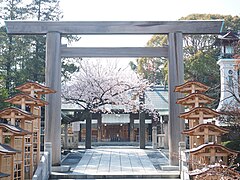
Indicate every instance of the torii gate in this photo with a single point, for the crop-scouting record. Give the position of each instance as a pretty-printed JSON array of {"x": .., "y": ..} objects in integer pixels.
[{"x": 54, "y": 52}]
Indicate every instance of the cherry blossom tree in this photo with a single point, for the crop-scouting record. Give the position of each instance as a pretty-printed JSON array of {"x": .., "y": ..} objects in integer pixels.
[{"x": 98, "y": 84}]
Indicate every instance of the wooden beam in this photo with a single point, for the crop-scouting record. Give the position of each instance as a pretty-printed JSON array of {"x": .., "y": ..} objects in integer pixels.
[
  {"x": 114, "y": 52},
  {"x": 114, "y": 27}
]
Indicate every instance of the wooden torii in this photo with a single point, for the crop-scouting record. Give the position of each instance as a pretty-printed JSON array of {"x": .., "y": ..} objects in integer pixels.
[{"x": 54, "y": 52}]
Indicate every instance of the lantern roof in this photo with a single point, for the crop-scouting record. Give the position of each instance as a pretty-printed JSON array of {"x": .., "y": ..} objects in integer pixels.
[
  {"x": 2, "y": 175},
  {"x": 191, "y": 99},
  {"x": 19, "y": 114},
  {"x": 5, "y": 149},
  {"x": 15, "y": 130},
  {"x": 194, "y": 113},
  {"x": 227, "y": 37},
  {"x": 200, "y": 128},
  {"x": 205, "y": 147},
  {"x": 36, "y": 87},
  {"x": 191, "y": 87},
  {"x": 29, "y": 100}
]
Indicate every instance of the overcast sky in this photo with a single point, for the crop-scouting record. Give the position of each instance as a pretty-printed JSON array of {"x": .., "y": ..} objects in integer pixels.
[
  {"x": 144, "y": 10},
  {"x": 138, "y": 10}
]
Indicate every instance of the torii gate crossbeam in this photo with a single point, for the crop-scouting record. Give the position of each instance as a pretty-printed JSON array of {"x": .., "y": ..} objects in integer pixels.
[{"x": 54, "y": 51}]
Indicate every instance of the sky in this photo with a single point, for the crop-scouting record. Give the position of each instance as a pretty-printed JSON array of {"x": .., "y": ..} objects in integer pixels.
[
  {"x": 137, "y": 10},
  {"x": 144, "y": 10}
]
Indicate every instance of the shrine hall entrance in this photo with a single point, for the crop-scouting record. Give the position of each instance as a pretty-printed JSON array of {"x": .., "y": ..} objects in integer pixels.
[
  {"x": 112, "y": 132},
  {"x": 115, "y": 132}
]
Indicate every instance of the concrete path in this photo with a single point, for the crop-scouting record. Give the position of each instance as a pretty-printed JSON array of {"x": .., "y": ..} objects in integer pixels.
[
  {"x": 115, "y": 161},
  {"x": 119, "y": 163}
]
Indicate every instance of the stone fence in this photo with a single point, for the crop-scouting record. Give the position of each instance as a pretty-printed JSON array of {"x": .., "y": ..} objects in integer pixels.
[
  {"x": 42, "y": 172},
  {"x": 183, "y": 161}
]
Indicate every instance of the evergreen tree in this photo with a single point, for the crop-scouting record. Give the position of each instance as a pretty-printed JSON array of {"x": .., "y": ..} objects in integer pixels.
[
  {"x": 22, "y": 58},
  {"x": 11, "y": 51},
  {"x": 200, "y": 55}
]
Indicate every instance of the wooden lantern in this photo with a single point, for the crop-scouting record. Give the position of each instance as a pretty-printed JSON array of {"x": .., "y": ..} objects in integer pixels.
[
  {"x": 27, "y": 102},
  {"x": 22, "y": 119},
  {"x": 205, "y": 138},
  {"x": 7, "y": 162}
]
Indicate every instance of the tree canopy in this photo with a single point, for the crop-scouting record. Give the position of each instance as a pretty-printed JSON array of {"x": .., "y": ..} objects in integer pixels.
[
  {"x": 22, "y": 58},
  {"x": 96, "y": 85},
  {"x": 200, "y": 56}
]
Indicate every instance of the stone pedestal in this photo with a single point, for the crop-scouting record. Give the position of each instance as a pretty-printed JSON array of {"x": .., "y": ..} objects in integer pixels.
[{"x": 229, "y": 83}]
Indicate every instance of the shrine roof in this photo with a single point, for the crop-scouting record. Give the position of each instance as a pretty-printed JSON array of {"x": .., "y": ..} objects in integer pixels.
[
  {"x": 187, "y": 87},
  {"x": 5, "y": 149},
  {"x": 14, "y": 129},
  {"x": 193, "y": 113},
  {"x": 30, "y": 100},
  {"x": 27, "y": 115},
  {"x": 207, "y": 125},
  {"x": 212, "y": 145},
  {"x": 185, "y": 100},
  {"x": 38, "y": 88}
]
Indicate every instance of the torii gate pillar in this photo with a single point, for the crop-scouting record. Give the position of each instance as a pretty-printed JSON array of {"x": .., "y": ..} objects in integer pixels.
[
  {"x": 53, "y": 80},
  {"x": 175, "y": 78}
]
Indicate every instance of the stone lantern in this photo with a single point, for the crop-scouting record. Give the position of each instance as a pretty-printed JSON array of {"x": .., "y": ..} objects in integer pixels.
[
  {"x": 227, "y": 42},
  {"x": 228, "y": 70}
]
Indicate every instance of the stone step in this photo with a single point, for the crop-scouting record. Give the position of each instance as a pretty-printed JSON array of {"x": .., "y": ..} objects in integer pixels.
[
  {"x": 120, "y": 179},
  {"x": 163, "y": 175}
]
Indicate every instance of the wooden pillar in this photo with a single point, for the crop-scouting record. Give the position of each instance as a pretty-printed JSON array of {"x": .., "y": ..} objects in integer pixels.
[
  {"x": 131, "y": 128},
  {"x": 141, "y": 122},
  {"x": 175, "y": 77},
  {"x": 99, "y": 127},
  {"x": 142, "y": 129},
  {"x": 88, "y": 140},
  {"x": 53, "y": 81},
  {"x": 65, "y": 136},
  {"x": 1, "y": 137},
  {"x": 206, "y": 135}
]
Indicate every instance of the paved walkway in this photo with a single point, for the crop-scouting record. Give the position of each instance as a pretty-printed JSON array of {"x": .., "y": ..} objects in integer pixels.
[
  {"x": 124, "y": 163},
  {"x": 115, "y": 161}
]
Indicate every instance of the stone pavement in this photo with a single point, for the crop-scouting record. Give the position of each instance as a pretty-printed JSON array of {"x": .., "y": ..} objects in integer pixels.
[
  {"x": 115, "y": 161},
  {"x": 112, "y": 163}
]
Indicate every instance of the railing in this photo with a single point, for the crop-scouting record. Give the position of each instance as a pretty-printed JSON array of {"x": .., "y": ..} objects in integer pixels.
[
  {"x": 183, "y": 161},
  {"x": 43, "y": 170}
]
